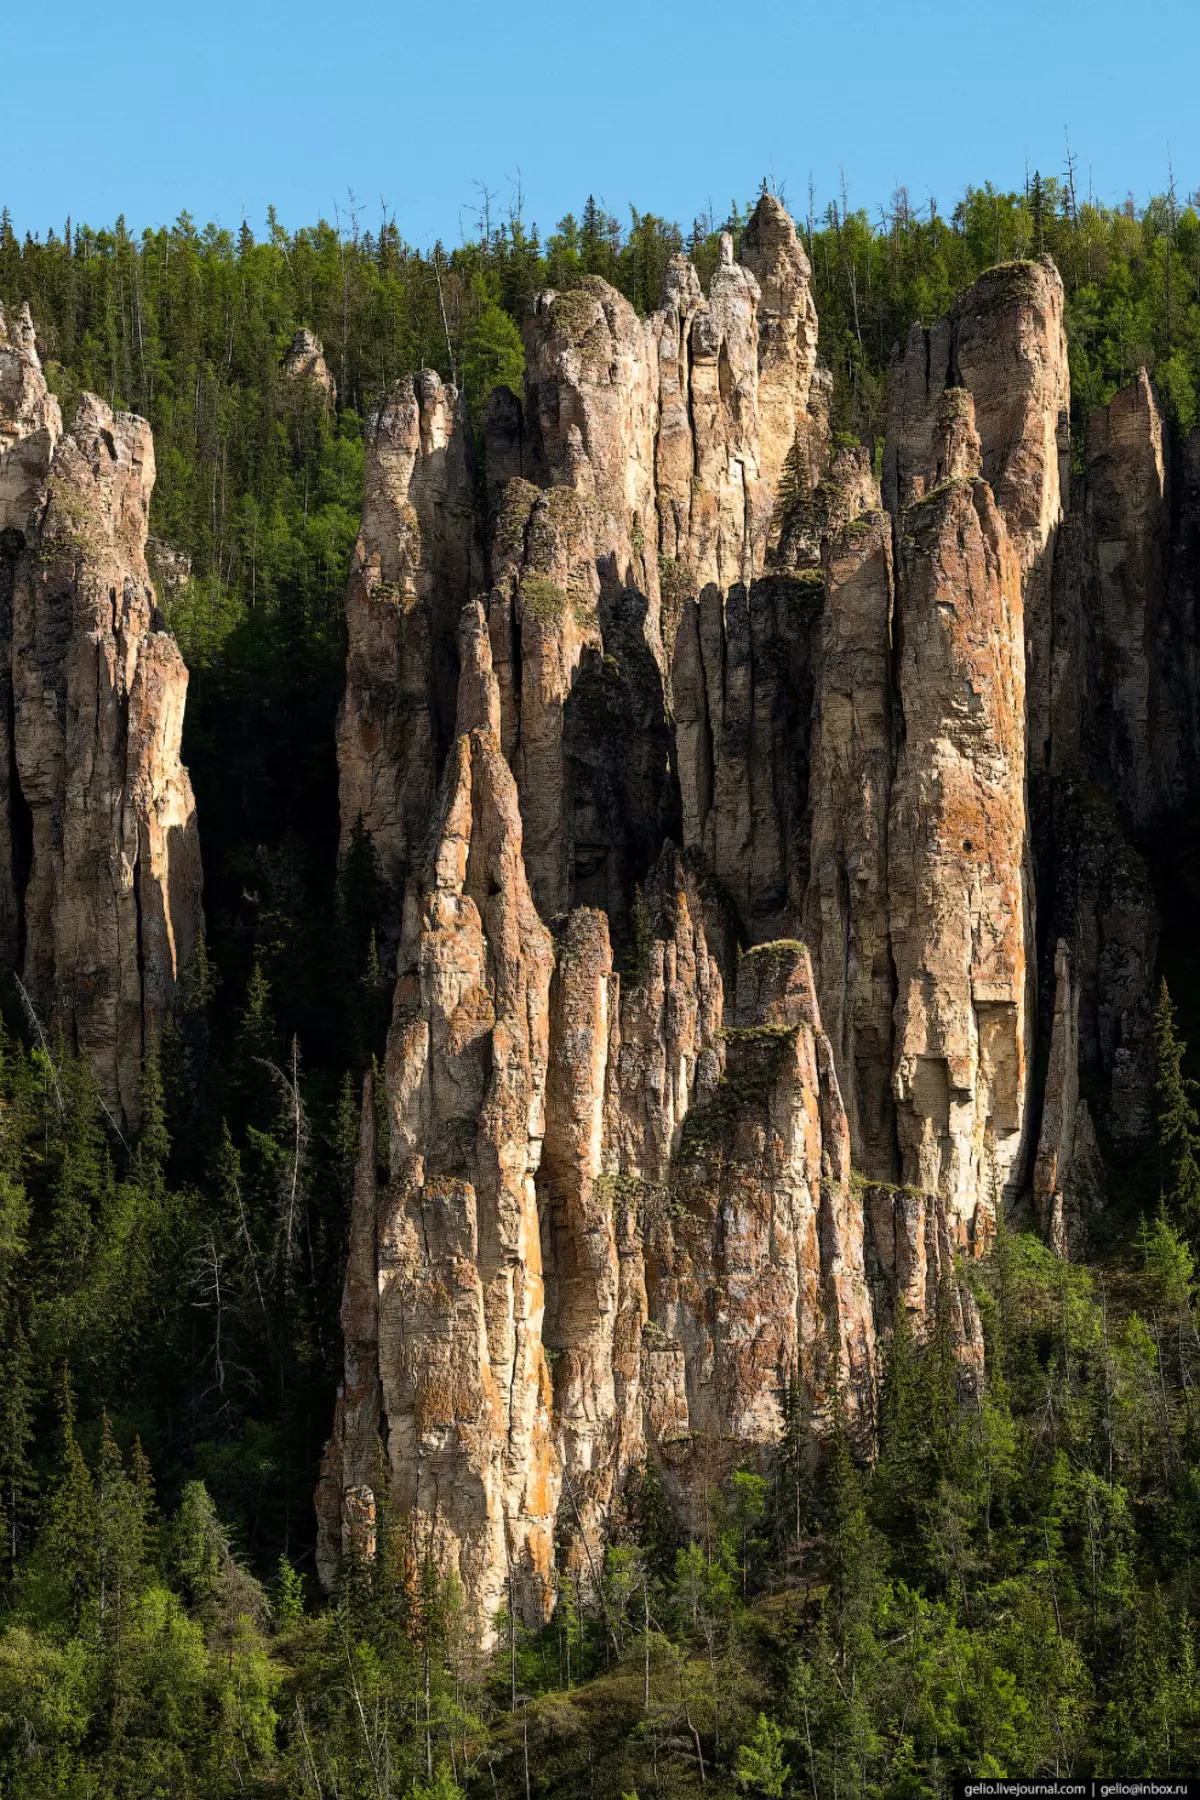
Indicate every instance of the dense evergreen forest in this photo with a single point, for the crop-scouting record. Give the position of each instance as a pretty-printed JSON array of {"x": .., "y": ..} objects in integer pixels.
[{"x": 1002, "y": 1589}]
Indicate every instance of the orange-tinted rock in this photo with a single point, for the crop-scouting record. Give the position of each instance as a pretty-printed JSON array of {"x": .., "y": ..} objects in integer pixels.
[
  {"x": 1004, "y": 341},
  {"x": 851, "y": 776},
  {"x": 415, "y": 563},
  {"x": 305, "y": 363},
  {"x": 959, "y": 880},
  {"x": 100, "y": 891}
]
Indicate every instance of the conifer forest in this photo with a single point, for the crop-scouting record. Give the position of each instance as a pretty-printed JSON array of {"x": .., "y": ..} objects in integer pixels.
[{"x": 500, "y": 1305}]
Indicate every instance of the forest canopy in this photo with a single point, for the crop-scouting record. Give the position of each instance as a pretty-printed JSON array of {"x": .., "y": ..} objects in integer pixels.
[{"x": 1007, "y": 1587}]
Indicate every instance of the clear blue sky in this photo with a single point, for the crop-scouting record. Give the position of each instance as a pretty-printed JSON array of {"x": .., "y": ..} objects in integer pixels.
[{"x": 231, "y": 104}]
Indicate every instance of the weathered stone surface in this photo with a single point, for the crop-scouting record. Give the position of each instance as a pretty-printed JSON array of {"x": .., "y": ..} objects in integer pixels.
[
  {"x": 30, "y": 426},
  {"x": 100, "y": 894},
  {"x": 597, "y": 1433},
  {"x": 730, "y": 512},
  {"x": 757, "y": 1265},
  {"x": 912, "y": 1244},
  {"x": 590, "y": 417},
  {"x": 742, "y": 681},
  {"x": 738, "y": 391},
  {"x": 959, "y": 885},
  {"x": 621, "y": 1213},
  {"x": 787, "y": 336},
  {"x": 466, "y": 1388},
  {"x": 305, "y": 363},
  {"x": 1135, "y": 749},
  {"x": 628, "y": 1059},
  {"x": 702, "y": 1235},
  {"x": 823, "y": 507},
  {"x": 543, "y": 614},
  {"x": 847, "y": 901},
  {"x": 415, "y": 563},
  {"x": 1004, "y": 341}
]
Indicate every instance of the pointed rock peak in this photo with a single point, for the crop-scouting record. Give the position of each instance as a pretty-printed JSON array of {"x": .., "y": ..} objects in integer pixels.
[
  {"x": 417, "y": 417},
  {"x": 775, "y": 986},
  {"x": 956, "y": 453},
  {"x": 305, "y": 361},
  {"x": 101, "y": 957},
  {"x": 118, "y": 452},
  {"x": 574, "y": 313},
  {"x": 478, "y": 692},
  {"x": 770, "y": 244},
  {"x": 1133, "y": 414},
  {"x": 20, "y": 337},
  {"x": 30, "y": 424},
  {"x": 681, "y": 284}
]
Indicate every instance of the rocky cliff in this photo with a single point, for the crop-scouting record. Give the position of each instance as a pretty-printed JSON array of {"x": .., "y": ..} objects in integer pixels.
[
  {"x": 99, "y": 856},
  {"x": 733, "y": 839}
]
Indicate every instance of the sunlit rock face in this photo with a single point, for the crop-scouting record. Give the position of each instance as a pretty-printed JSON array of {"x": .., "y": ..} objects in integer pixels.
[
  {"x": 711, "y": 765},
  {"x": 100, "y": 882}
]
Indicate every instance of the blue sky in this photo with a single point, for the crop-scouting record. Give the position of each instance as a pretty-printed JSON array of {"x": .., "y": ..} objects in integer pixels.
[{"x": 225, "y": 107}]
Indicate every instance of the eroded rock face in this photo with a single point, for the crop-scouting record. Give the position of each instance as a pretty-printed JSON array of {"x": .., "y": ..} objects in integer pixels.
[
  {"x": 30, "y": 426},
  {"x": 415, "y": 563},
  {"x": 847, "y": 919},
  {"x": 305, "y": 362},
  {"x": 1004, "y": 341},
  {"x": 714, "y": 1029},
  {"x": 742, "y": 680},
  {"x": 787, "y": 337},
  {"x": 959, "y": 887},
  {"x": 100, "y": 882},
  {"x": 764, "y": 1222},
  {"x": 590, "y": 413},
  {"x": 456, "y": 1328},
  {"x": 543, "y": 617},
  {"x": 1135, "y": 737}
]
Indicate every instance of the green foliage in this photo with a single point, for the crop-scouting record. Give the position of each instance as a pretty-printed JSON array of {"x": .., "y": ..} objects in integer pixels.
[
  {"x": 1004, "y": 1582},
  {"x": 1178, "y": 1119},
  {"x": 760, "y": 1768}
]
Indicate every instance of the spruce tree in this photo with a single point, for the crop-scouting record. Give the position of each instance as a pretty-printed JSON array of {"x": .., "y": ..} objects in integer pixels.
[
  {"x": 902, "y": 1469},
  {"x": 154, "y": 1143},
  {"x": 17, "y": 1482},
  {"x": 1178, "y": 1119},
  {"x": 69, "y": 1535}
]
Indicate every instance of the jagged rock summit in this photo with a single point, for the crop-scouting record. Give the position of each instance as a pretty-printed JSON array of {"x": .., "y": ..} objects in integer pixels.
[
  {"x": 100, "y": 887},
  {"x": 305, "y": 363},
  {"x": 725, "y": 802}
]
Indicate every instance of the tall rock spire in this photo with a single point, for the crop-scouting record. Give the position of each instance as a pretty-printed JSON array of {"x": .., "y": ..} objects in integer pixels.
[
  {"x": 100, "y": 884},
  {"x": 959, "y": 864},
  {"x": 715, "y": 1022}
]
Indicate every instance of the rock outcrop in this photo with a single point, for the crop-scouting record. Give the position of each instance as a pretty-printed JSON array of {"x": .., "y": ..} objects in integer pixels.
[
  {"x": 1004, "y": 342},
  {"x": 743, "y": 679},
  {"x": 461, "y": 1374},
  {"x": 305, "y": 363},
  {"x": 715, "y": 1027},
  {"x": 846, "y": 915},
  {"x": 100, "y": 885},
  {"x": 959, "y": 871},
  {"x": 415, "y": 563},
  {"x": 1135, "y": 741}
]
